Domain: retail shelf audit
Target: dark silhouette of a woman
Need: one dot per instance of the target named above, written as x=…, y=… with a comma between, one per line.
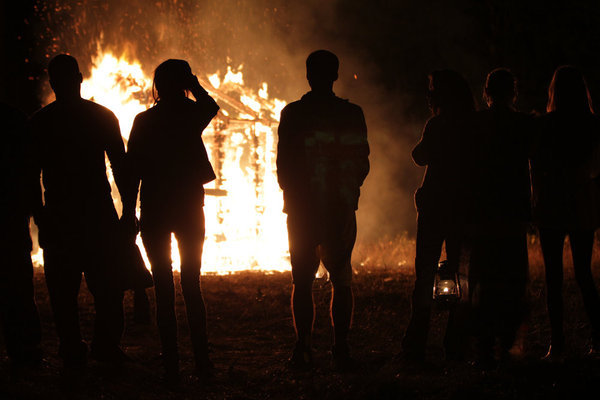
x=565, y=196
x=166, y=154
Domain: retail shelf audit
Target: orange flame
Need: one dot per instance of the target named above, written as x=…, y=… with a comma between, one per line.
x=245, y=227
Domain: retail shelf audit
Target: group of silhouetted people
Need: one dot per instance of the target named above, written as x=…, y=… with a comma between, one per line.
x=476, y=200
x=322, y=162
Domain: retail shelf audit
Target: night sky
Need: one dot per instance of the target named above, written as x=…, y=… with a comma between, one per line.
x=390, y=46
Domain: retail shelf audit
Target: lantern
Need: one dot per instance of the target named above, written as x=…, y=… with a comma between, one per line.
x=446, y=285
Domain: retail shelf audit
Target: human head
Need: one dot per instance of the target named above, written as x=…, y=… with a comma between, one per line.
x=171, y=79
x=322, y=69
x=449, y=93
x=65, y=77
x=500, y=88
x=568, y=91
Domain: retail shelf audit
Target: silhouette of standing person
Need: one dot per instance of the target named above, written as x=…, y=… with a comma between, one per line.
x=18, y=312
x=77, y=221
x=322, y=161
x=565, y=197
x=442, y=203
x=499, y=263
x=166, y=154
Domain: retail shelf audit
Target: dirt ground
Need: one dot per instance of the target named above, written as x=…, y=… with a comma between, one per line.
x=251, y=336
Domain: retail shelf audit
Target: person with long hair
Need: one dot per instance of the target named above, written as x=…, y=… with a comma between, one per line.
x=565, y=196
x=441, y=203
x=167, y=160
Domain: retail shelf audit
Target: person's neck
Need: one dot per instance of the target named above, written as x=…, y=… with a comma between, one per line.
x=67, y=97
x=323, y=90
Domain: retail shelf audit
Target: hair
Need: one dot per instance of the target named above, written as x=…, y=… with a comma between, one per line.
x=449, y=92
x=170, y=78
x=63, y=68
x=322, y=65
x=568, y=91
x=500, y=87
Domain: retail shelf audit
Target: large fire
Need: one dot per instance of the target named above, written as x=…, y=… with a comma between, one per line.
x=245, y=227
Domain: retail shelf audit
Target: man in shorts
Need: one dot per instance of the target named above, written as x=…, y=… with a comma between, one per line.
x=322, y=161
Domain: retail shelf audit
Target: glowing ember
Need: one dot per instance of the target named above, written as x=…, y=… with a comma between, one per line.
x=245, y=227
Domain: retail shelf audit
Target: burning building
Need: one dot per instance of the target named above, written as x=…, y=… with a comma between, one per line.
x=245, y=226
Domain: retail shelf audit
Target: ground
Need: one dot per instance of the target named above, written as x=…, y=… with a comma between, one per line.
x=251, y=336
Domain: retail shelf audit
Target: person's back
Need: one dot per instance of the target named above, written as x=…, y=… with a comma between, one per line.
x=563, y=165
x=503, y=188
x=565, y=169
x=167, y=151
x=323, y=151
x=70, y=140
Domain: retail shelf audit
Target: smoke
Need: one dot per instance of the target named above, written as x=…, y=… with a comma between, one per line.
x=270, y=40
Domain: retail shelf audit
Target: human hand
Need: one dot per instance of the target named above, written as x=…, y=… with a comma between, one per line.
x=195, y=87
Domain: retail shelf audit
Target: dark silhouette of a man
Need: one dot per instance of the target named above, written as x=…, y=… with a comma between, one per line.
x=77, y=220
x=499, y=262
x=18, y=312
x=322, y=161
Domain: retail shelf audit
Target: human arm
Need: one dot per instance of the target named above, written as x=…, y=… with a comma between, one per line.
x=284, y=150
x=133, y=175
x=421, y=154
x=115, y=150
x=207, y=104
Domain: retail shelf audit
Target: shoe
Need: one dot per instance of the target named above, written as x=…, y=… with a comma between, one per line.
x=301, y=359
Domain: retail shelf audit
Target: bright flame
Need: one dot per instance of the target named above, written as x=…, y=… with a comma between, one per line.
x=120, y=86
x=234, y=77
x=245, y=227
x=214, y=80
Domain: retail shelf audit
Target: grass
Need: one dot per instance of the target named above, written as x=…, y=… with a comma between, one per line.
x=251, y=335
